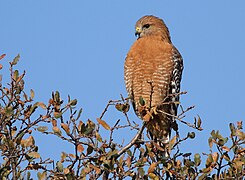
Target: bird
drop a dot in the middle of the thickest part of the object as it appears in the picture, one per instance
(152, 72)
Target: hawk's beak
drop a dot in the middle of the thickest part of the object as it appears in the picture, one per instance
(138, 30)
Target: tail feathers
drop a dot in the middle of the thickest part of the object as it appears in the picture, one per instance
(161, 146)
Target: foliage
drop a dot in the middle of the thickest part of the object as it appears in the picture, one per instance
(96, 156)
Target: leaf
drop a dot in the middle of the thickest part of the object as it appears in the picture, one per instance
(2, 56)
(128, 162)
(29, 141)
(59, 166)
(57, 131)
(129, 152)
(213, 134)
(226, 157)
(63, 156)
(80, 148)
(209, 160)
(79, 113)
(159, 147)
(152, 167)
(141, 101)
(188, 163)
(191, 135)
(72, 155)
(42, 128)
(225, 148)
(57, 96)
(42, 105)
(232, 129)
(42, 176)
(98, 137)
(199, 122)
(66, 170)
(91, 124)
(238, 165)
(153, 176)
(172, 142)
(65, 127)
(73, 102)
(19, 137)
(32, 93)
(89, 150)
(97, 170)
(197, 159)
(112, 153)
(141, 171)
(239, 124)
(54, 122)
(210, 142)
(122, 107)
(16, 59)
(222, 141)
(215, 156)
(16, 75)
(104, 124)
(119, 107)
(240, 135)
(57, 115)
(34, 155)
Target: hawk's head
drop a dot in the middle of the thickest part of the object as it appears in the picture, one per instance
(151, 26)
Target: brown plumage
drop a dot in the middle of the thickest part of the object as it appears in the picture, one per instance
(152, 73)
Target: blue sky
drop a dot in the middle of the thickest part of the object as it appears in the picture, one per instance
(78, 48)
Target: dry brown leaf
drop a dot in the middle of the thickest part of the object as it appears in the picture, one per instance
(103, 123)
(152, 167)
(80, 148)
(65, 127)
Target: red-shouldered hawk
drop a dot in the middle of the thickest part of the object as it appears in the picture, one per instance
(152, 73)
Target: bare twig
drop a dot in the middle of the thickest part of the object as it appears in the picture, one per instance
(132, 142)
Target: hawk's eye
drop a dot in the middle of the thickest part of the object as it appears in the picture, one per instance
(146, 26)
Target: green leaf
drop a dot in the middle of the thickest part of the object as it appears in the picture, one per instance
(141, 101)
(57, 115)
(28, 176)
(141, 171)
(197, 159)
(232, 129)
(191, 135)
(222, 141)
(73, 102)
(16, 59)
(57, 96)
(42, 128)
(16, 75)
(129, 152)
(89, 150)
(112, 153)
(59, 166)
(213, 134)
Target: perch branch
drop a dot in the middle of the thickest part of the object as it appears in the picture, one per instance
(132, 142)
